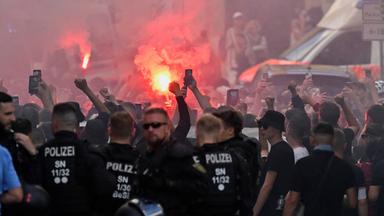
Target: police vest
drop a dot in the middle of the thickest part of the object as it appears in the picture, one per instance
(64, 174)
(223, 177)
(121, 161)
(60, 165)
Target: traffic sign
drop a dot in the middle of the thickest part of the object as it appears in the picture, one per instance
(373, 31)
(373, 12)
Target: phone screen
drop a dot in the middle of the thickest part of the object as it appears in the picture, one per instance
(233, 97)
(188, 77)
(33, 84)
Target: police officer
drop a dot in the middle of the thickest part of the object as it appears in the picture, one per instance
(229, 179)
(232, 139)
(167, 172)
(113, 166)
(63, 170)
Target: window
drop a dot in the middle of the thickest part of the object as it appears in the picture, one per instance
(347, 49)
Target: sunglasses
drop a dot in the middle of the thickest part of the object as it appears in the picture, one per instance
(153, 125)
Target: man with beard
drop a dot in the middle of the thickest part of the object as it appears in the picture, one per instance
(167, 171)
(20, 146)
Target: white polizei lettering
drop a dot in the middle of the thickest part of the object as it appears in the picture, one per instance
(60, 151)
(119, 167)
(196, 159)
(218, 158)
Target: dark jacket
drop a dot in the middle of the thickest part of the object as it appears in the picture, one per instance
(112, 170)
(168, 175)
(249, 149)
(63, 174)
(229, 182)
(25, 164)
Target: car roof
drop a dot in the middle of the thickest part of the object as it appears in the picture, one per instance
(321, 70)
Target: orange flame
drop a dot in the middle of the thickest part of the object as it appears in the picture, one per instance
(161, 80)
(86, 58)
(71, 39)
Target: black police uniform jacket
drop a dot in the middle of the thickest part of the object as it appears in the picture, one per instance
(248, 148)
(113, 170)
(168, 175)
(63, 174)
(229, 181)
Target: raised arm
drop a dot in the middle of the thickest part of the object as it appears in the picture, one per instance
(45, 95)
(202, 99)
(350, 118)
(296, 100)
(184, 124)
(83, 86)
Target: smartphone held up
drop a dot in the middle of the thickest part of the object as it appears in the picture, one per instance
(34, 82)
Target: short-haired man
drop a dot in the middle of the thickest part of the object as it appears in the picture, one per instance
(229, 179)
(63, 165)
(321, 180)
(167, 172)
(277, 173)
(20, 146)
(232, 138)
(113, 166)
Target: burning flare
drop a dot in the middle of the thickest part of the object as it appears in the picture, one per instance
(86, 58)
(161, 81)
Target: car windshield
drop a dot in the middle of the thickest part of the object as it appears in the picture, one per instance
(300, 50)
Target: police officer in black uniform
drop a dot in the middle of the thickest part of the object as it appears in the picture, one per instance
(113, 167)
(167, 171)
(63, 167)
(229, 178)
(233, 139)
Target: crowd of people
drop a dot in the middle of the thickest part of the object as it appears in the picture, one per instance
(246, 45)
(313, 158)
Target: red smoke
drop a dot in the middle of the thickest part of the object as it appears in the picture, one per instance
(170, 44)
(80, 39)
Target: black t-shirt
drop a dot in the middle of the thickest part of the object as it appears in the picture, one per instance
(349, 137)
(378, 180)
(281, 160)
(307, 176)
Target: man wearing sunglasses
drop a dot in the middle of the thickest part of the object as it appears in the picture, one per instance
(277, 173)
(167, 172)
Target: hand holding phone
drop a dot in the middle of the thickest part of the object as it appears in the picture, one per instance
(34, 82)
(188, 77)
(233, 97)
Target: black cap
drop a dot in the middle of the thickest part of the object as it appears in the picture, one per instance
(274, 119)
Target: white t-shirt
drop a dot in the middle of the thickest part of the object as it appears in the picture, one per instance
(300, 152)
